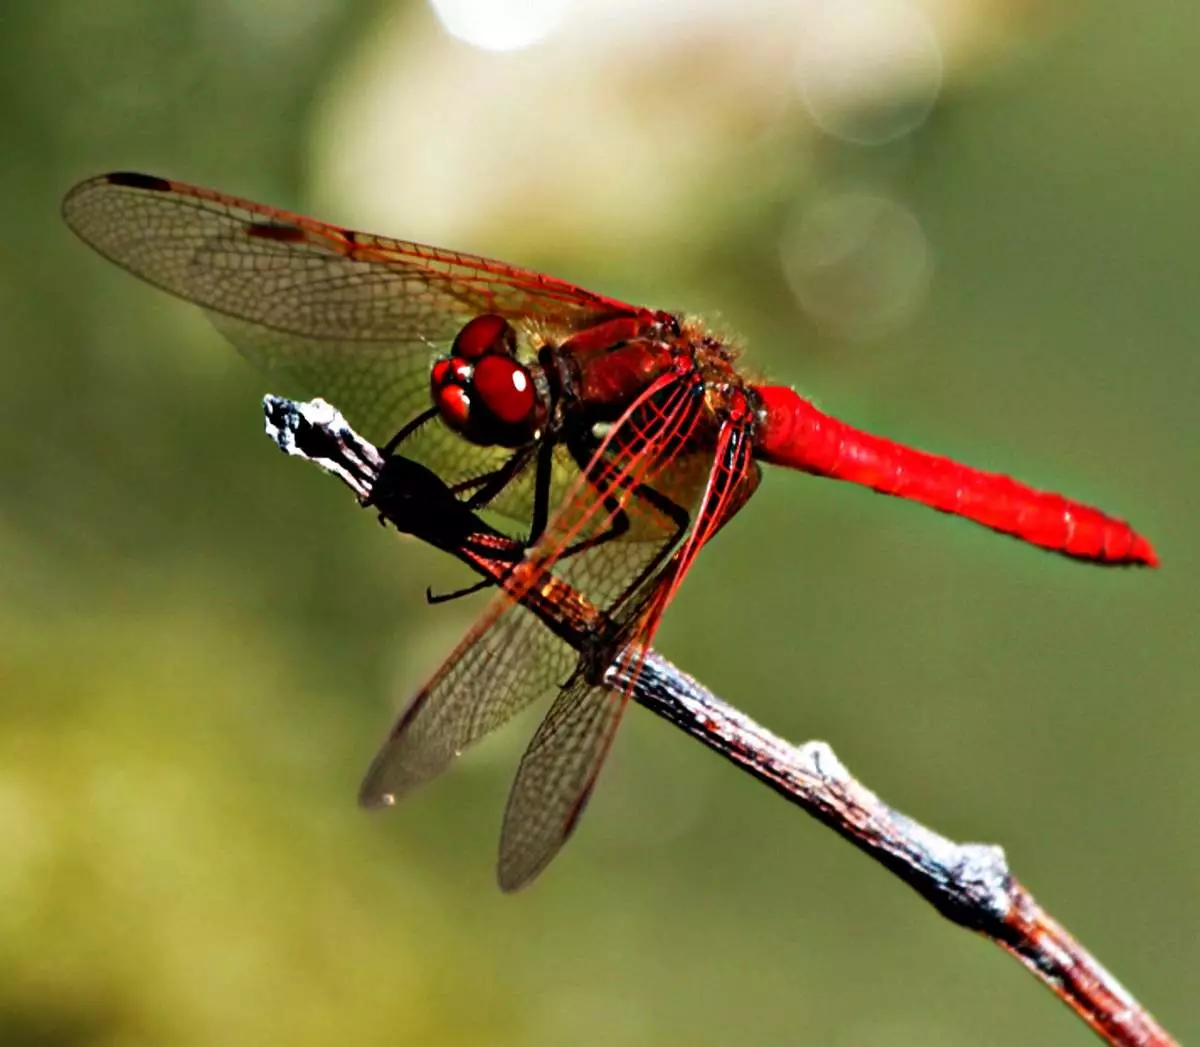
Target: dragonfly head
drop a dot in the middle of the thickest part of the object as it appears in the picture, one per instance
(482, 391)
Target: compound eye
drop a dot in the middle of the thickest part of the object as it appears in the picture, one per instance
(454, 404)
(485, 335)
(439, 374)
(505, 388)
(447, 371)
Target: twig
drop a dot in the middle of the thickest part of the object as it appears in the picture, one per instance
(968, 883)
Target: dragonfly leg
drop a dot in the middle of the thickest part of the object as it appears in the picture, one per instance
(488, 485)
(541, 492)
(601, 649)
(679, 516)
(435, 598)
(407, 430)
(512, 552)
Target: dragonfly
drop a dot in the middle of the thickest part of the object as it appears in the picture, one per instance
(611, 440)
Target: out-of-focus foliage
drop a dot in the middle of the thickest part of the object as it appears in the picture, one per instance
(201, 642)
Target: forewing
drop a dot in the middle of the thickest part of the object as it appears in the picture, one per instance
(342, 313)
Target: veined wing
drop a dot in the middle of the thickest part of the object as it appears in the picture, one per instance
(556, 778)
(344, 314)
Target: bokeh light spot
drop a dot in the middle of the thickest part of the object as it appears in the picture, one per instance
(858, 264)
(501, 25)
(869, 71)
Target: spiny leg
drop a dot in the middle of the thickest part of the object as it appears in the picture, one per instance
(491, 484)
(389, 448)
(488, 485)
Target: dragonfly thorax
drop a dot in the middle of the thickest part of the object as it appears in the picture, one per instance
(482, 391)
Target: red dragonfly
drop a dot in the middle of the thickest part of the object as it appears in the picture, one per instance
(618, 438)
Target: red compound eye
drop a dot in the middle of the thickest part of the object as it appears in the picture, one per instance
(449, 370)
(484, 335)
(454, 405)
(505, 388)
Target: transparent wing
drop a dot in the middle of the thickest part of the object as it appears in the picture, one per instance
(555, 779)
(344, 314)
(507, 661)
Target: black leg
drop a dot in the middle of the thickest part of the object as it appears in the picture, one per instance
(389, 448)
(678, 515)
(510, 553)
(488, 485)
(541, 491)
(435, 598)
(619, 524)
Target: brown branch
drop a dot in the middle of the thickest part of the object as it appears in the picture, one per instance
(968, 883)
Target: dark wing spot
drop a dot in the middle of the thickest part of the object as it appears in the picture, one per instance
(139, 181)
(278, 231)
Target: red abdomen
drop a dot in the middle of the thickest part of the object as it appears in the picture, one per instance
(797, 435)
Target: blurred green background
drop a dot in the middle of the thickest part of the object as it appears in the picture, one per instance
(203, 642)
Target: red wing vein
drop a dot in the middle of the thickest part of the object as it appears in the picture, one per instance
(184, 238)
(615, 474)
(732, 481)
